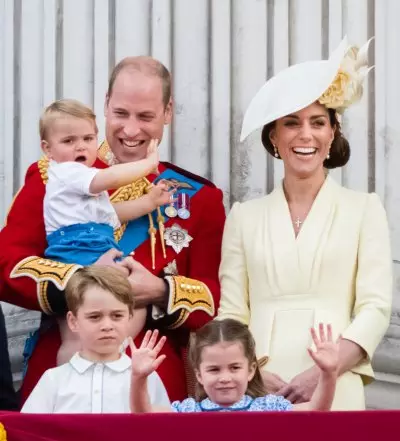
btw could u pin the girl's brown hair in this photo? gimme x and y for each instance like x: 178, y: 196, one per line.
x: 231, y: 331
x: 339, y: 153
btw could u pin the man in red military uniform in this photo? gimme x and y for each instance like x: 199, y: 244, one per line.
x: 176, y: 249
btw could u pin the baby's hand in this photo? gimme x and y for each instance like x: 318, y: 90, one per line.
x: 326, y: 356
x: 153, y: 156
x: 160, y: 194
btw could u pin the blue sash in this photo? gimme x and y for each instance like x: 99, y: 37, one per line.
x: 136, y: 231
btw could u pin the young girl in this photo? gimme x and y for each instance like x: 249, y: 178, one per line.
x: 228, y: 377
x: 79, y: 217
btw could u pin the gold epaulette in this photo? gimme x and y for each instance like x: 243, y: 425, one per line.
x: 43, y: 271
x: 186, y: 296
x: 40, y: 270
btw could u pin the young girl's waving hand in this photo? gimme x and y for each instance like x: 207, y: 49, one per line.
x: 228, y: 377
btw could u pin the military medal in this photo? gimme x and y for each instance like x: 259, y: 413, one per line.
x: 171, y: 211
x: 184, y: 206
x: 177, y: 238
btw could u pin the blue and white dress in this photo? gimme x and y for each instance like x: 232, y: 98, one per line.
x: 268, y: 403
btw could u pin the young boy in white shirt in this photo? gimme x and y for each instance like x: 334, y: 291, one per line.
x: 96, y: 379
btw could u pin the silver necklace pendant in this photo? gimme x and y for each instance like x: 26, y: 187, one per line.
x: 298, y: 223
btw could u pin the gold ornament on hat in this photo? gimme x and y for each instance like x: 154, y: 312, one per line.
x: 347, y: 87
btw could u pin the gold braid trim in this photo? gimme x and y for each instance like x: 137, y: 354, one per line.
x: 41, y: 270
x: 128, y: 193
x: 183, y: 315
x: 153, y: 239
x: 105, y: 154
x: 190, y: 295
x: 161, y: 227
x: 43, y: 165
x: 42, y: 297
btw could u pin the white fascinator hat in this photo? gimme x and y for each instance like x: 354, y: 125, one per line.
x: 336, y: 83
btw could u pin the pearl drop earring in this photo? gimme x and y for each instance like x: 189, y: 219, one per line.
x: 329, y: 152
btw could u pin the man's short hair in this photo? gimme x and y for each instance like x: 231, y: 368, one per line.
x: 105, y: 277
x: 62, y: 108
x: 148, y: 66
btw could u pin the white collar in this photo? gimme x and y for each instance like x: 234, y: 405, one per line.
x: 243, y: 404
x: 81, y: 365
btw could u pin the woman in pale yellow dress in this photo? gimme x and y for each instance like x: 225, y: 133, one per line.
x: 311, y: 251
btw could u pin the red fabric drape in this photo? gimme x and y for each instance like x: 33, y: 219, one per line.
x: 293, y: 426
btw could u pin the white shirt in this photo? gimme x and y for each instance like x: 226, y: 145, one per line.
x: 82, y: 386
x: 68, y: 200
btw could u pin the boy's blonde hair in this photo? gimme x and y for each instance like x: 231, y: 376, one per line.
x: 62, y: 108
x: 104, y: 277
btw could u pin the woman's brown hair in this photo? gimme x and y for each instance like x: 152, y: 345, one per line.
x: 339, y: 153
x: 231, y: 331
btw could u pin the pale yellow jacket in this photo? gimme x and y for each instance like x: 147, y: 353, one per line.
x: 338, y: 270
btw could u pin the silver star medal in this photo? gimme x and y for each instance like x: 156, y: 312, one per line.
x: 177, y: 238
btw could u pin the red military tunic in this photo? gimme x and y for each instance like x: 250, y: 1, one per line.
x: 193, y: 249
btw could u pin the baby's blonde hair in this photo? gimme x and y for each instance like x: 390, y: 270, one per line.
x: 62, y: 108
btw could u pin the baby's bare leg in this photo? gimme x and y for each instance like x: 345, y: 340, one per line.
x: 69, y: 343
